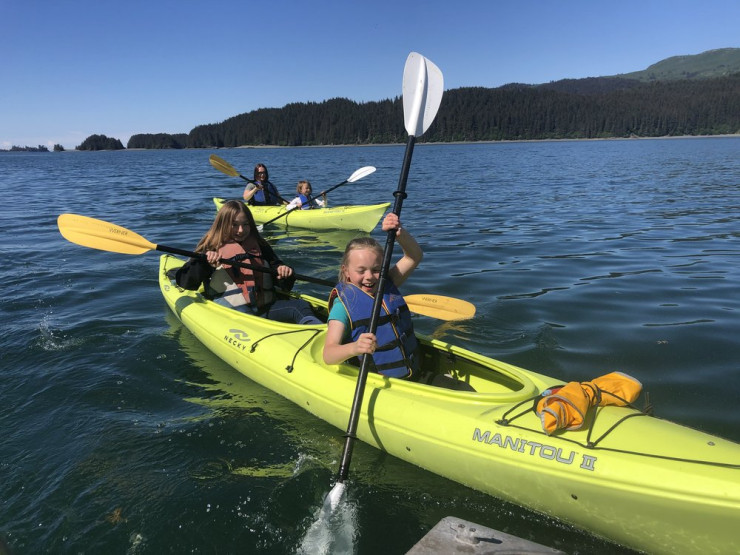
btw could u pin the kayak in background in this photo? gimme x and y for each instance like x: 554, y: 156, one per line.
x: 635, y: 479
x: 301, y: 239
x: 361, y: 217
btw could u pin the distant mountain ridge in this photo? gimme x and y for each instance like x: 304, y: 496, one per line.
x: 712, y: 63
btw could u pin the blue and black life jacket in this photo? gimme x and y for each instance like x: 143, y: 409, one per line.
x: 396, y: 354
x: 306, y: 202
x: 267, y: 196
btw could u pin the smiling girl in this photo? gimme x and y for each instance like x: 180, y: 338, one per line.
x: 234, y: 235
x: 393, y: 347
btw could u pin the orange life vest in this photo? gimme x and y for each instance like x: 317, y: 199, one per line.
x: 256, y: 288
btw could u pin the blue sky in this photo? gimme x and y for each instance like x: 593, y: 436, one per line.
x: 72, y: 69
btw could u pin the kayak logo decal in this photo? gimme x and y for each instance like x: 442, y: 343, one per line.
x: 238, y: 338
x: 533, y: 448
x: 239, y: 335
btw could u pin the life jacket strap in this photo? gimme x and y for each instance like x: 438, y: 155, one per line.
x: 384, y: 318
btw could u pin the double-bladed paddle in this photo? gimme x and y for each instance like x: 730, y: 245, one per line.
x: 224, y: 167
x: 102, y: 235
x: 423, y: 86
x: 356, y: 176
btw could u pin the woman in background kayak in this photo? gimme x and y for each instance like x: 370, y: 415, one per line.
x: 304, y: 201
x: 393, y: 346
x: 234, y: 234
x: 262, y: 192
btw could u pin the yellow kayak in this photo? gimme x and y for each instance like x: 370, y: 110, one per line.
x: 361, y: 217
x: 645, y: 483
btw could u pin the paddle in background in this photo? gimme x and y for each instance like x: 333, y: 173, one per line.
x: 102, y: 235
x: 223, y: 166
x: 356, y: 176
x: 423, y: 86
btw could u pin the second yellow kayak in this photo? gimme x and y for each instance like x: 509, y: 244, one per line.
x: 361, y: 217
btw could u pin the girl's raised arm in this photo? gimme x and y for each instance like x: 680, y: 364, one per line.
x: 412, y: 253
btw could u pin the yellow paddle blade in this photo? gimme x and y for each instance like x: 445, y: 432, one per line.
x: 98, y: 234
x: 440, y: 307
x: 222, y: 165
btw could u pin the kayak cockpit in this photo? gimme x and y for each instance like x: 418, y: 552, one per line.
x: 483, y: 375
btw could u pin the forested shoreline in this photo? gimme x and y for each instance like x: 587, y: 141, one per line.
x: 595, y: 108
x: 592, y: 108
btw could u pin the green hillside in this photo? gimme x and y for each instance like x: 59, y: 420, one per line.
x: 712, y: 63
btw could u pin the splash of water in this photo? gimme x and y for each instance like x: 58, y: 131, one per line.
x: 49, y: 340
x: 334, y: 528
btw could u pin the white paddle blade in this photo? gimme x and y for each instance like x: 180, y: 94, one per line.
x: 423, y: 86
x: 359, y: 174
x: 334, y: 496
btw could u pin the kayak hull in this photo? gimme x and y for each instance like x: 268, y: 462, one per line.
x: 649, y: 484
x: 359, y: 217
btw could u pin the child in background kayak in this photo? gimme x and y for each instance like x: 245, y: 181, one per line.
x: 234, y: 234
x: 304, y: 200
x: 394, y: 346
x: 262, y: 192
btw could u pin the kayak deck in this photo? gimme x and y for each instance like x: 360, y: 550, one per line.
x: 638, y: 480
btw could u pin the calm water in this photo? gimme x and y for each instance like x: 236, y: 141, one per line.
x: 122, y: 434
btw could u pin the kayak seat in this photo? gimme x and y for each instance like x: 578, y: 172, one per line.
x: 445, y: 381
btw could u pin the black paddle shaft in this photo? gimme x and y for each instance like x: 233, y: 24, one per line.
x: 354, y: 416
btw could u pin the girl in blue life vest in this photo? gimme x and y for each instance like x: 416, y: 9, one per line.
x: 304, y: 201
x: 262, y: 192
x: 393, y: 347
x: 234, y: 234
